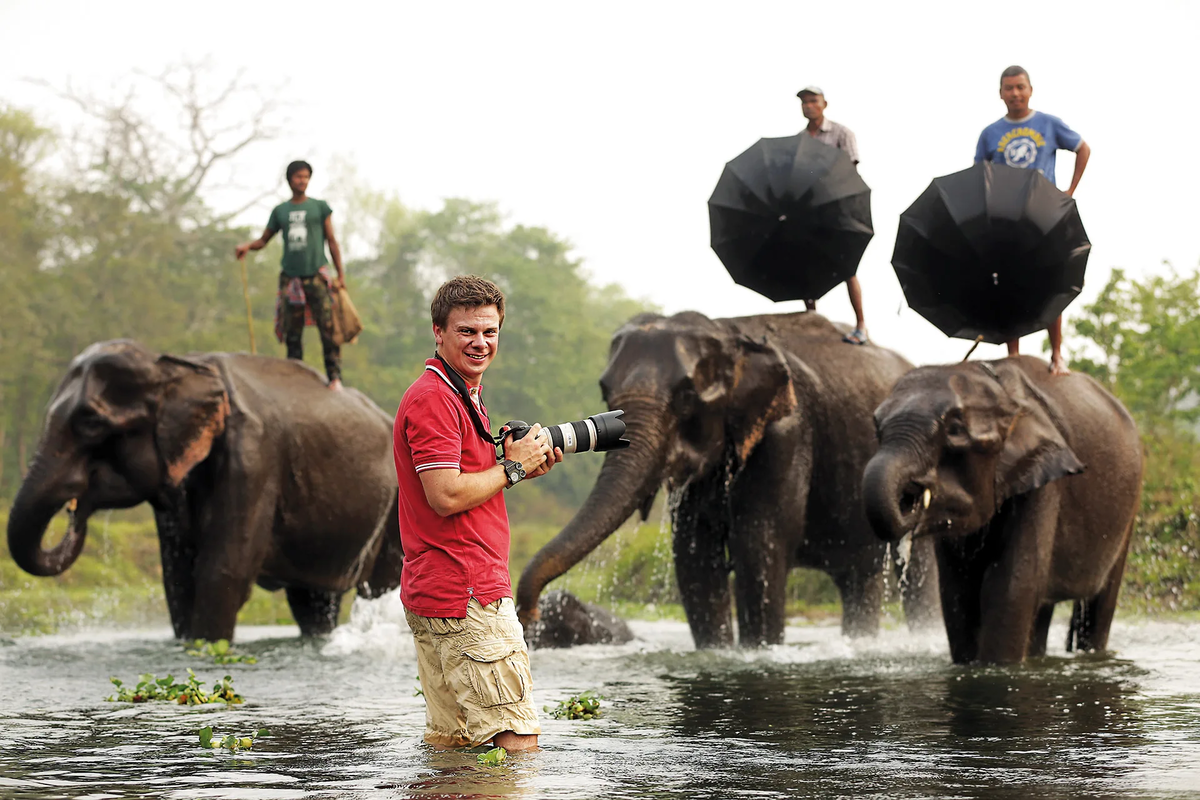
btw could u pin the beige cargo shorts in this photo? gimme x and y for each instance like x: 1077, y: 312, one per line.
x: 475, y: 675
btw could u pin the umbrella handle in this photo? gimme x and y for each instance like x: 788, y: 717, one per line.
x: 978, y: 339
x: 246, y: 295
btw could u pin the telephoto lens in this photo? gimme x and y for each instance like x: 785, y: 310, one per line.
x: 598, y: 433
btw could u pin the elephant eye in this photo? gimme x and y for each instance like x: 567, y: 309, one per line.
x: 90, y: 425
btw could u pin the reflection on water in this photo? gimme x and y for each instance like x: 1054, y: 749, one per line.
x: 816, y: 717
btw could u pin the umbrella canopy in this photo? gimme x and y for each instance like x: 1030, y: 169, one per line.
x: 790, y: 218
x: 992, y: 251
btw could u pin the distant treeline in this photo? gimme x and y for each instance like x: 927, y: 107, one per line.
x: 124, y: 246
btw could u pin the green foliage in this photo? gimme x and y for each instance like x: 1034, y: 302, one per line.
x: 231, y: 742
x: 1142, y: 341
x: 219, y: 651
x: 190, y: 693
x: 493, y: 757
x: 585, y: 705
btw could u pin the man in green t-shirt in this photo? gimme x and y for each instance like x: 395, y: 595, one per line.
x: 304, y: 280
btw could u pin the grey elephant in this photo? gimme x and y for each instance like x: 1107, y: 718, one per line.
x: 565, y: 621
x: 760, y: 428
x: 256, y: 472
x: 988, y: 460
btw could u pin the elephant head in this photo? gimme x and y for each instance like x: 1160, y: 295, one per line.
x: 124, y: 425
x: 698, y: 395
x: 956, y: 442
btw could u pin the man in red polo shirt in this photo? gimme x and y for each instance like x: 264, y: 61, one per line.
x: 471, y: 654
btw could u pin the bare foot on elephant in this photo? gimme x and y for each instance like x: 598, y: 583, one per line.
x: 335, y: 385
x: 1058, y: 365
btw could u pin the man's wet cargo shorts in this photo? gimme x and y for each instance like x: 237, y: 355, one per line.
x: 475, y: 675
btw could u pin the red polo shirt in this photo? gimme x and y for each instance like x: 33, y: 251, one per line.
x: 447, y: 560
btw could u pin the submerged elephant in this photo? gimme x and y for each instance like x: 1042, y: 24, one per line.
x: 564, y: 621
x: 256, y: 472
x: 978, y: 457
x: 760, y: 427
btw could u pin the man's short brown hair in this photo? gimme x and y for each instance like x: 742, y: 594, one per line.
x: 465, y: 291
x: 1012, y: 72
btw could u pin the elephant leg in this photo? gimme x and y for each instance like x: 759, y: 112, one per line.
x: 1010, y: 594
x: 760, y: 568
x: 1092, y: 618
x: 315, y: 610
x: 178, y: 553
x: 233, y: 529
x: 862, y: 601
x: 958, y: 582
x: 1040, y: 631
x: 703, y: 574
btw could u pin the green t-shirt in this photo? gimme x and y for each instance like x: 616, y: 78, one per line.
x: 303, y: 226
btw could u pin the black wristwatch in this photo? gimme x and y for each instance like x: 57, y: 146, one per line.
x: 513, y: 472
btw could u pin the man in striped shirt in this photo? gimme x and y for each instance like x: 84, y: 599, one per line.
x: 812, y: 104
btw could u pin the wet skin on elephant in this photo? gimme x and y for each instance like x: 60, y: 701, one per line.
x: 256, y: 472
x: 565, y: 621
x: 760, y: 428
x: 1027, y: 483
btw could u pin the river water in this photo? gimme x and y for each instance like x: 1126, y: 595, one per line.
x: 818, y: 716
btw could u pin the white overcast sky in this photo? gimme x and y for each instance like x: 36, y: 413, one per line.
x: 609, y: 123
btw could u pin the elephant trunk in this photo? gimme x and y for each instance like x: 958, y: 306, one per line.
x: 893, y: 498
x: 628, y: 479
x: 32, y: 511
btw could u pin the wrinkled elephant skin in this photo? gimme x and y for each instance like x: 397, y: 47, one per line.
x: 256, y: 472
x: 1028, y: 483
x: 760, y: 428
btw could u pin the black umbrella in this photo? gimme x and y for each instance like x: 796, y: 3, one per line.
x: 992, y: 251
x: 790, y: 218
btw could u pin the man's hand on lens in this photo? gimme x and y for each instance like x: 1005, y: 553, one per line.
x: 531, y: 450
x: 552, y: 458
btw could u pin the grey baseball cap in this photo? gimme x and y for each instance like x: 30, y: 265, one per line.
x: 811, y: 90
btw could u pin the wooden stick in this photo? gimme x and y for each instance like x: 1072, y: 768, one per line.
x: 978, y: 339
x: 246, y: 294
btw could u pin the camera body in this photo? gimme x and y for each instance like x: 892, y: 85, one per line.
x: 598, y: 433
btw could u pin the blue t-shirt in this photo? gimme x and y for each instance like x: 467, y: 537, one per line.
x: 1031, y: 142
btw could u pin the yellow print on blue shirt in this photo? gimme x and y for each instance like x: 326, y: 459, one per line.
x: 1020, y: 147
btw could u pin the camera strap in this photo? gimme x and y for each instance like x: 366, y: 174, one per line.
x: 456, y: 382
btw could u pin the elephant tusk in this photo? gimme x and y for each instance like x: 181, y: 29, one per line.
x: 73, y: 504
x: 926, y: 498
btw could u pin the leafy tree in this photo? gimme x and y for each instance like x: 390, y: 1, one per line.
x: 1142, y: 341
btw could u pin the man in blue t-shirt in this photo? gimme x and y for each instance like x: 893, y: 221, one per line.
x: 1026, y: 139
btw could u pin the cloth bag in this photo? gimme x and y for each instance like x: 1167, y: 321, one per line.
x: 346, y: 323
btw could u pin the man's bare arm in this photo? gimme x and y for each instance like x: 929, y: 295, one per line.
x: 452, y: 491
x: 1081, y: 158
x: 335, y: 251
x: 258, y: 244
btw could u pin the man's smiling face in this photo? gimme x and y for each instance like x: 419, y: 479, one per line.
x: 469, y: 340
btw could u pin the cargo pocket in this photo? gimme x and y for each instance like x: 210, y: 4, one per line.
x: 498, y: 678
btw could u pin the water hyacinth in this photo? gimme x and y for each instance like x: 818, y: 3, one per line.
x: 230, y: 742
x: 192, y: 693
x: 581, y: 706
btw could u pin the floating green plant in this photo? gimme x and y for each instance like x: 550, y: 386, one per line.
x: 493, y: 757
x: 581, y: 706
x: 220, y: 651
x: 191, y: 693
x: 230, y: 742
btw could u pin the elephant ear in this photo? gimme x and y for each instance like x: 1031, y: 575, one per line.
x: 192, y: 411
x: 761, y: 392
x: 1035, y: 451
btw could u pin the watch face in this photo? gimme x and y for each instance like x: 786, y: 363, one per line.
x: 514, y: 476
